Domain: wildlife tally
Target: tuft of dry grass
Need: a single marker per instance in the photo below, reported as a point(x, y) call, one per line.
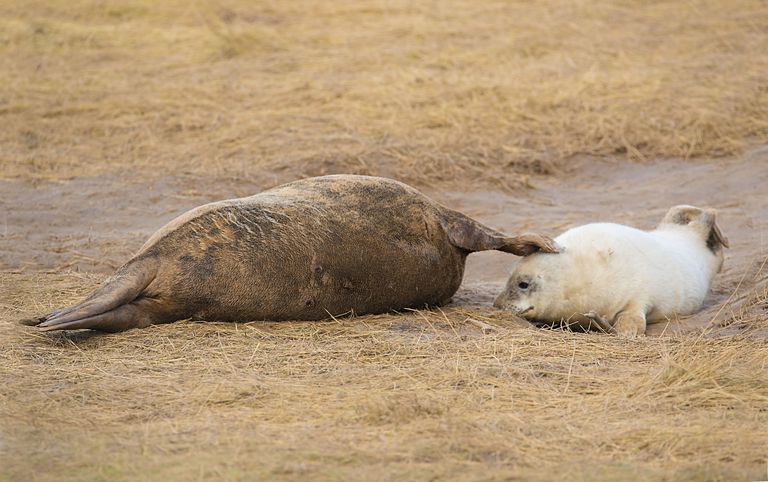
point(426, 92)
point(428, 394)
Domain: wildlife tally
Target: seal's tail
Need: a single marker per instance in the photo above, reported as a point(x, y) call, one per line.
point(115, 306)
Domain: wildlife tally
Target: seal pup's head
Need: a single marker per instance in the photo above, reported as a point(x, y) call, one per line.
point(529, 290)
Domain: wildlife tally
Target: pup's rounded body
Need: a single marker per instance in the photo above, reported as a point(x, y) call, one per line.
point(620, 276)
point(307, 250)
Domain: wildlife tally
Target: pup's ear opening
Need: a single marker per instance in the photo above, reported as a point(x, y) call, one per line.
point(530, 243)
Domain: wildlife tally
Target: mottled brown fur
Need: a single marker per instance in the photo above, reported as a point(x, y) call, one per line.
point(307, 250)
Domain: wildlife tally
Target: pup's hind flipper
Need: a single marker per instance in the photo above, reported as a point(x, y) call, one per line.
point(704, 221)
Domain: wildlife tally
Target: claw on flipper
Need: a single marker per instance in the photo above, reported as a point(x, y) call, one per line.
point(601, 323)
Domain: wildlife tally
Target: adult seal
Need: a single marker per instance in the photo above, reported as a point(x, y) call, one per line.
point(307, 250)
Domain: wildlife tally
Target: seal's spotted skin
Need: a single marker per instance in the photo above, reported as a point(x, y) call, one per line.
point(307, 250)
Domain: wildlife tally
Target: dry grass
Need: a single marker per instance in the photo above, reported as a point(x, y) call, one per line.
point(421, 396)
point(432, 93)
point(428, 92)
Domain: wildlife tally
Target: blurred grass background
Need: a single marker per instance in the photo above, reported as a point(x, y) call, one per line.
point(426, 92)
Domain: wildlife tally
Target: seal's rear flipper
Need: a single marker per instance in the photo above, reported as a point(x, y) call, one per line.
point(470, 235)
point(716, 240)
point(703, 221)
point(529, 243)
point(137, 314)
point(122, 288)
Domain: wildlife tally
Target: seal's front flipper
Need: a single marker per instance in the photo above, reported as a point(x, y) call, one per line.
point(467, 234)
point(600, 322)
point(630, 322)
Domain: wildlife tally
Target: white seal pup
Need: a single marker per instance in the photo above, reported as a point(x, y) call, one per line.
point(619, 277)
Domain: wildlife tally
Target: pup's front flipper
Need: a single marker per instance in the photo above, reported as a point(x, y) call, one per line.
point(630, 322)
point(601, 322)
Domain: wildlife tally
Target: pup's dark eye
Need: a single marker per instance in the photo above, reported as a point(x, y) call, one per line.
point(522, 285)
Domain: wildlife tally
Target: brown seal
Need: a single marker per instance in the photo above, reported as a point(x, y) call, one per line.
point(307, 250)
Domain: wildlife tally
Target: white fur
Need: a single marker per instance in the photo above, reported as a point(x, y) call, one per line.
point(625, 275)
